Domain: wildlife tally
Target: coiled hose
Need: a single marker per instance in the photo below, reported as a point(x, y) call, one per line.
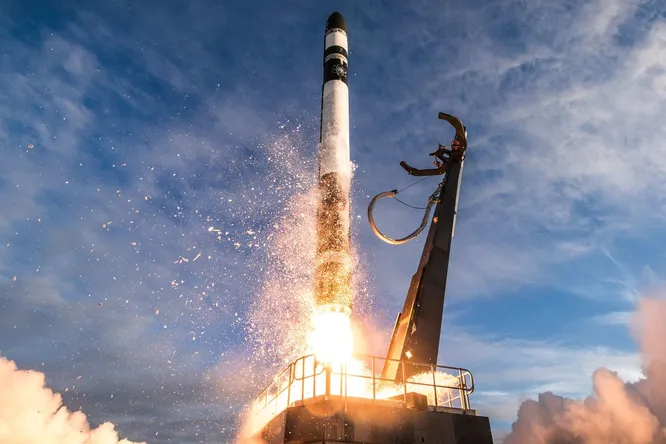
point(433, 199)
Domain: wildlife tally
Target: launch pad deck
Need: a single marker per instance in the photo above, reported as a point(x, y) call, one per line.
point(357, 420)
point(313, 403)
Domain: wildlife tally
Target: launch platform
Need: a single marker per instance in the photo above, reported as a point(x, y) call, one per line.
point(312, 403)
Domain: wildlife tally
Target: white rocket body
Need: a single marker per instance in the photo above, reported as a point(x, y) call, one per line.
point(334, 152)
point(333, 274)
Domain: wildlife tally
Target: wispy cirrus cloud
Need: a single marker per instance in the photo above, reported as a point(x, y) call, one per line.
point(111, 282)
point(564, 131)
point(562, 194)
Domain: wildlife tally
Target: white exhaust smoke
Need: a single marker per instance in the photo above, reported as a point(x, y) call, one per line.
point(618, 412)
point(31, 413)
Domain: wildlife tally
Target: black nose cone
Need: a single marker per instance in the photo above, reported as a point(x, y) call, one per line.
point(336, 20)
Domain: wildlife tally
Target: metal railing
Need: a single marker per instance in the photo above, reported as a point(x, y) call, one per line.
point(308, 378)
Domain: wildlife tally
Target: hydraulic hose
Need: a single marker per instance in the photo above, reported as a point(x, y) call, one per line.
point(426, 215)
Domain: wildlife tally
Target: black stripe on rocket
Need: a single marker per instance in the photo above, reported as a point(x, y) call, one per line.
point(335, 68)
point(335, 49)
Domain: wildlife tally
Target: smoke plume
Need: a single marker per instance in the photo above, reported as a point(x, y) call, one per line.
point(32, 413)
point(618, 412)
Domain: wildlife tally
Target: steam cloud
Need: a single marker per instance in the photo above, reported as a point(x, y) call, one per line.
point(32, 413)
point(617, 412)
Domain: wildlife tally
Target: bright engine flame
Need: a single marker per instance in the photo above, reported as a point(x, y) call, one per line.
point(331, 369)
point(331, 338)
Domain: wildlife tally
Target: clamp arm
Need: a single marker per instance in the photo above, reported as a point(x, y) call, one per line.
point(458, 147)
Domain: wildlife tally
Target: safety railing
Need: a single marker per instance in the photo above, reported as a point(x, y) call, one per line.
point(308, 378)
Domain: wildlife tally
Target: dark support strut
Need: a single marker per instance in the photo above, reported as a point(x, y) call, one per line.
point(417, 330)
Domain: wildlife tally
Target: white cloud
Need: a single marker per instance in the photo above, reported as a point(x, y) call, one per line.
point(621, 318)
point(31, 412)
point(622, 409)
point(533, 366)
point(509, 371)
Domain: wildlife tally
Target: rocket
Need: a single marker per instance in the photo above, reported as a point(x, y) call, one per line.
point(333, 256)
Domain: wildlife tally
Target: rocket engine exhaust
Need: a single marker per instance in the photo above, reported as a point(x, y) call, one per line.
point(333, 257)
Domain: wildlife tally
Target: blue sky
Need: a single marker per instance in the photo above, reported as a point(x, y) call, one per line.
point(127, 129)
